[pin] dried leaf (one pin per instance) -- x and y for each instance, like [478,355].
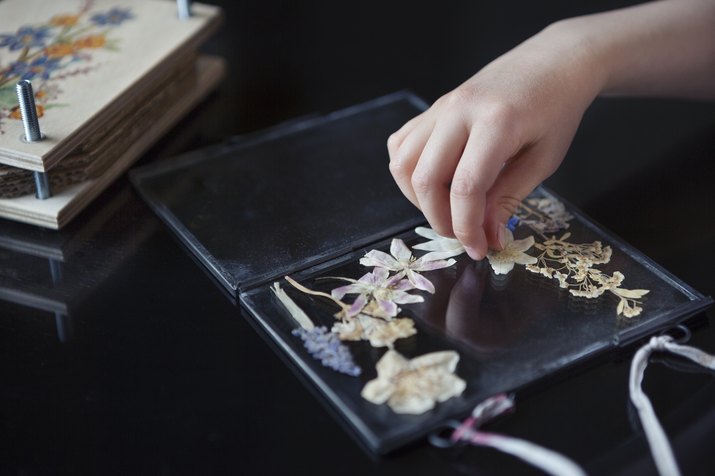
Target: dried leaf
[295,311]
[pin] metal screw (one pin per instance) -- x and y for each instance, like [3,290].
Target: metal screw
[184,7]
[26,98]
[42,185]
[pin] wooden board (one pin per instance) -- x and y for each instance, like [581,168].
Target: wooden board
[87,61]
[59,209]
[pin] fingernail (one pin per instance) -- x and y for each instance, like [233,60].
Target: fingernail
[501,237]
[474,254]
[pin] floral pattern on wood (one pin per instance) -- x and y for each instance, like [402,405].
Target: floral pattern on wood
[50,53]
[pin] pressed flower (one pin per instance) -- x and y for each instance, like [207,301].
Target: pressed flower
[384,334]
[572,264]
[386,291]
[321,344]
[327,347]
[439,247]
[378,332]
[401,261]
[513,253]
[414,386]
[544,215]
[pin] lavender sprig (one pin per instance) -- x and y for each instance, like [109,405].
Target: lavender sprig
[325,346]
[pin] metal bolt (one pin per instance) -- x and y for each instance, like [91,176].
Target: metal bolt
[26,98]
[184,7]
[42,185]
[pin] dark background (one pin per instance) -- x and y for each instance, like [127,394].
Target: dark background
[156,371]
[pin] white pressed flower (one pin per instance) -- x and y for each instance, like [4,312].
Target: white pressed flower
[414,386]
[378,332]
[513,253]
[439,247]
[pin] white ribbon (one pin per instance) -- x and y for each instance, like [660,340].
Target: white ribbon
[545,459]
[657,440]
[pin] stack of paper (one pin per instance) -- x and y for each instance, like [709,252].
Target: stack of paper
[109,79]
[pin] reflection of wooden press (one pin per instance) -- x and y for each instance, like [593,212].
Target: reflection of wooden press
[55,272]
[97,85]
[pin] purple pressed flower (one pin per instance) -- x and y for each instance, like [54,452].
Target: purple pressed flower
[42,67]
[387,291]
[405,264]
[115,16]
[26,36]
[327,347]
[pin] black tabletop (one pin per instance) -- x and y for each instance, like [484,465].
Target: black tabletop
[121,355]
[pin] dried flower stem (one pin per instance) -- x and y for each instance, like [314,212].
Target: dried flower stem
[343,306]
[295,311]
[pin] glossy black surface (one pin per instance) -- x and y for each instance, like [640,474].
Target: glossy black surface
[153,370]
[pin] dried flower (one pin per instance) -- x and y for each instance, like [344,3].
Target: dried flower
[503,261]
[382,289]
[572,264]
[413,386]
[326,347]
[543,215]
[321,344]
[344,308]
[378,332]
[405,264]
[439,247]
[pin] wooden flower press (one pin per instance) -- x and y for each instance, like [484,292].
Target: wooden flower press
[108,80]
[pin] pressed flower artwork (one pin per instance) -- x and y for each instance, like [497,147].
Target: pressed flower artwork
[373,317]
[53,52]
[374,310]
